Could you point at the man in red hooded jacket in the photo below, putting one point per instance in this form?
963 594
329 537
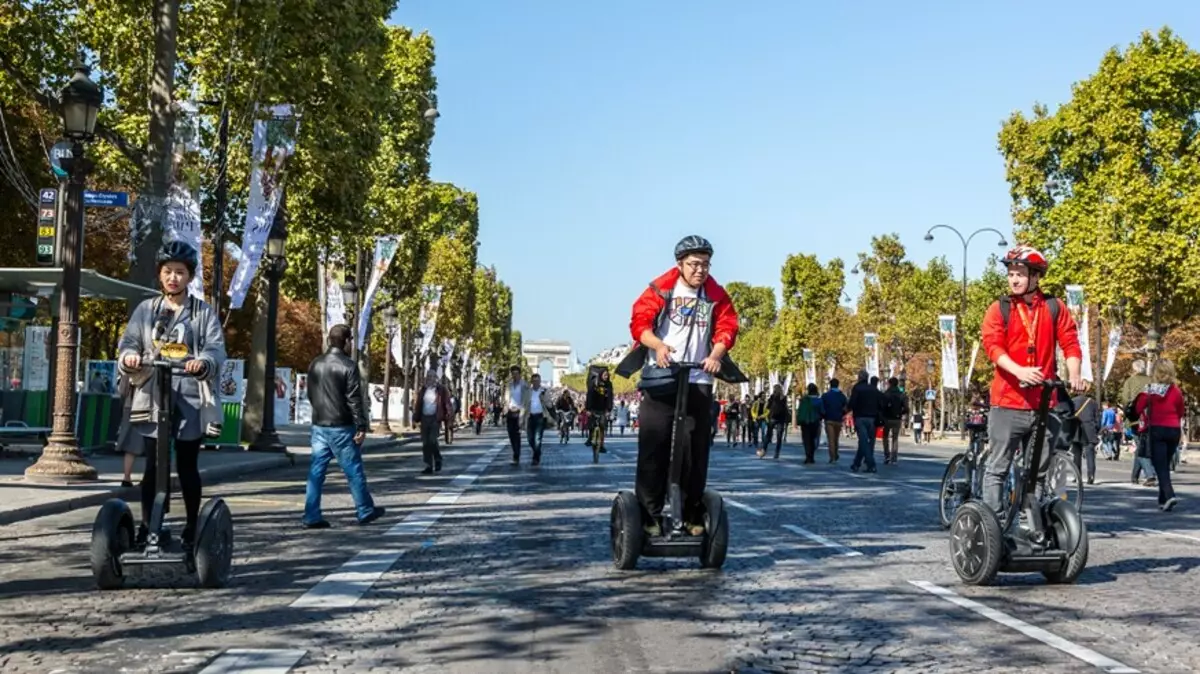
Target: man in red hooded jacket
684 316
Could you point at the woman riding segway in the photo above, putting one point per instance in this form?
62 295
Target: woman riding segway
177 327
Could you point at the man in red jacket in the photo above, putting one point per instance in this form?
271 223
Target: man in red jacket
684 316
1022 345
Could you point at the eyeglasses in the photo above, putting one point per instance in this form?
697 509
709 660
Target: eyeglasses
698 266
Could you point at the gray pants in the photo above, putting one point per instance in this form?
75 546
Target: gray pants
1008 429
891 439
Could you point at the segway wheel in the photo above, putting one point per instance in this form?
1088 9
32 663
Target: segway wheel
1070 535
626 529
716 531
1065 481
976 543
955 489
214 545
112 536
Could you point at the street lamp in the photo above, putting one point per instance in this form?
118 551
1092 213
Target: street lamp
391 324
349 299
61 459
276 259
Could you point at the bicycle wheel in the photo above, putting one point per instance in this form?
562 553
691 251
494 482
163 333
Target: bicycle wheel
955 489
1064 481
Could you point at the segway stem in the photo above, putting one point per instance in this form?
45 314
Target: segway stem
680 438
164 370
1033 467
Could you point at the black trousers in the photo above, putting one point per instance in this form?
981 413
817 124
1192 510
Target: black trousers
810 433
655 421
514 434
430 451
187 465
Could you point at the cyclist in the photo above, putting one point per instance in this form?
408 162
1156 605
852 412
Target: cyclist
684 316
566 413
599 404
188 325
1021 340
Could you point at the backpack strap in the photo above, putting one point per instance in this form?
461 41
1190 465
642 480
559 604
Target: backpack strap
1052 303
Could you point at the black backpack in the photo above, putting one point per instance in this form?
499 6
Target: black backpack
1052 303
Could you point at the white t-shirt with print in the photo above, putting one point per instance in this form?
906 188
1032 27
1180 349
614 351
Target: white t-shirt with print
685 329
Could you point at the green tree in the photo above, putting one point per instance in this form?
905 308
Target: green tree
811 295
1120 216
756 315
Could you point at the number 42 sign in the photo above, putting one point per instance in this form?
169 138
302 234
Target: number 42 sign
47 226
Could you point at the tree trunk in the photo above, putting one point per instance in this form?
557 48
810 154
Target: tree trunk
256 369
149 213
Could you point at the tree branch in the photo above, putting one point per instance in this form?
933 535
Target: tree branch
134 154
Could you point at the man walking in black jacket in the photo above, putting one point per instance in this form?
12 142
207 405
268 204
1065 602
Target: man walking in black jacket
339 426
865 402
895 408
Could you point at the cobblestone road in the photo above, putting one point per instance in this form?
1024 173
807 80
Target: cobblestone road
494 568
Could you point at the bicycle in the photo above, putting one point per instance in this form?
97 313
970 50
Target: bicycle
597 437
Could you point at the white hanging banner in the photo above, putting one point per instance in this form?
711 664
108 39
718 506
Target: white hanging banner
397 348
447 352
745 389
871 342
331 265
274 141
303 405
1079 311
428 319
787 384
183 224
758 385
948 329
283 395
385 250
971 365
831 367
774 379
1110 356
810 366
893 366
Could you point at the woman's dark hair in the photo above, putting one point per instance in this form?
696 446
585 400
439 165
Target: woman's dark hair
812 389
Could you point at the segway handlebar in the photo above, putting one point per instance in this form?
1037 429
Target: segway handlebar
175 366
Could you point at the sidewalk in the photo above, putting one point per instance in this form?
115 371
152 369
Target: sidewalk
21 500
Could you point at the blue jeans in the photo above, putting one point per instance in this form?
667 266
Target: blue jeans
328 442
535 426
864 428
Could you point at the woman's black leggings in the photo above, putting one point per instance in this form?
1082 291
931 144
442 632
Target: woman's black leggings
187 464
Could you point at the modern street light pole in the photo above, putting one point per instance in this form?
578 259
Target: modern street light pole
61 459
966 244
390 325
276 264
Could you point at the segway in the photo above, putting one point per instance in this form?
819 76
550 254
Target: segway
116 552
1041 532
629 540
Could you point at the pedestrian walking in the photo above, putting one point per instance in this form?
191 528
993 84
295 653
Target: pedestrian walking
776 417
833 408
809 413
1133 387
431 408
1161 410
1087 435
339 426
537 407
1108 437
477 414
894 409
623 417
918 423
515 416
865 402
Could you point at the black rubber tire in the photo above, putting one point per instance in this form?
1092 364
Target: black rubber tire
112 536
1063 467
716 534
1077 560
214 545
625 527
976 544
944 514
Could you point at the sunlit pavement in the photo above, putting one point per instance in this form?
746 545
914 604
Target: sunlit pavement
488 567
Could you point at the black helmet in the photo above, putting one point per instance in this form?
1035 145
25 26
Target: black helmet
692 244
179 251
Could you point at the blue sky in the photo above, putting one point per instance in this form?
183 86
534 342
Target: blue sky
599 133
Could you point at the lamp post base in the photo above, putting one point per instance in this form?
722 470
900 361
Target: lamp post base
61 462
383 428
267 441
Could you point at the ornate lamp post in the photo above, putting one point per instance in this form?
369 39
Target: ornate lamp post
276 264
391 324
61 459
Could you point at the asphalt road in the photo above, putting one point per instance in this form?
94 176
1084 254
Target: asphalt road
491 568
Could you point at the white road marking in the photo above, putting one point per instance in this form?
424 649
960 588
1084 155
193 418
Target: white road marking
742 506
254 661
846 552
1098 660
345 586
1168 533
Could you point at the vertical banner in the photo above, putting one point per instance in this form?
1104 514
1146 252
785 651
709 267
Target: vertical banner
283 395
303 405
332 264
397 349
1079 312
444 356
1110 356
36 370
101 377
385 250
428 318
745 389
274 141
774 379
787 384
831 367
948 329
233 381
183 224
893 367
871 342
376 400
810 366
758 385
971 365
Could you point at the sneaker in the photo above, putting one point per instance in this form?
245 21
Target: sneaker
604 450
375 514
653 529
853 469
437 467
516 462
189 536
761 453
536 462
319 524
126 483
1150 482
427 471
1170 504
870 470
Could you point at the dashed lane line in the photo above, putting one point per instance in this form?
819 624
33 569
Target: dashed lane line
1098 660
1168 533
834 545
254 661
345 586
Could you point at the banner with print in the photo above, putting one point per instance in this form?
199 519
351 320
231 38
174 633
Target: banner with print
233 381
1079 311
774 379
332 265
871 343
971 365
385 250
283 395
397 347
444 356
830 367
183 224
787 384
1110 354
745 389
810 366
273 142
303 404
36 368
101 377
427 321
948 329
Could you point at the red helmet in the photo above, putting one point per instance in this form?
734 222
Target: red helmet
1028 256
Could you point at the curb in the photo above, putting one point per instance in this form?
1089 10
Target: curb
209 476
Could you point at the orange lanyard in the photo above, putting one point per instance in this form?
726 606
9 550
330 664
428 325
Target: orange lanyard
1030 330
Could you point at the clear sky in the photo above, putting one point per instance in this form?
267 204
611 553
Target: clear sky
598 133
